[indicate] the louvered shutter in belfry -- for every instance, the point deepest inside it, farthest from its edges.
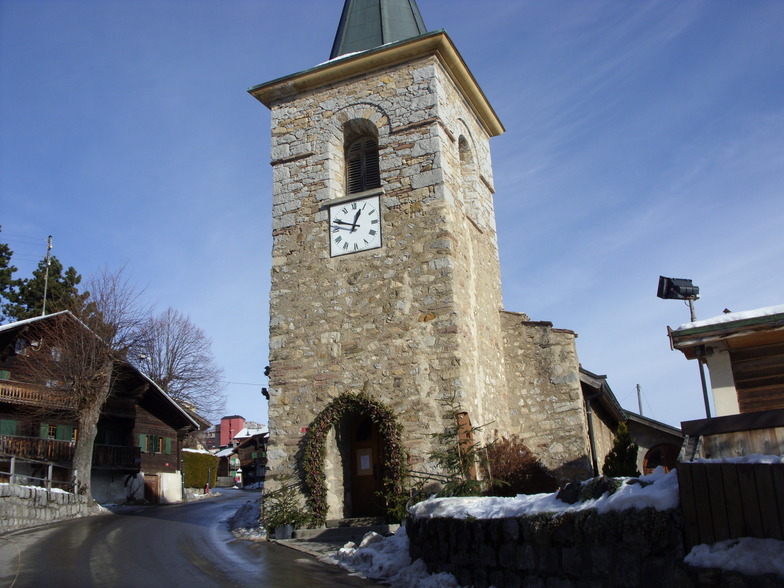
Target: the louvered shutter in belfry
(362, 166)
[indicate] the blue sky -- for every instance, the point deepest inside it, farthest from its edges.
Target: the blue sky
(644, 138)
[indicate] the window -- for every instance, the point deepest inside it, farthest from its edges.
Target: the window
(155, 444)
(58, 432)
(362, 169)
(7, 427)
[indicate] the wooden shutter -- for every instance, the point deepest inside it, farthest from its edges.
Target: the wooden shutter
(7, 427)
(143, 443)
(167, 446)
(362, 167)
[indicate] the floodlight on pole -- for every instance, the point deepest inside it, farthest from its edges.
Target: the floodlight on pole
(683, 289)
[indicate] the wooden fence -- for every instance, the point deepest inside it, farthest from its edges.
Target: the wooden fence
(729, 500)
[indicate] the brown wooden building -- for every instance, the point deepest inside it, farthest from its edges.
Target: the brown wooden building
(137, 452)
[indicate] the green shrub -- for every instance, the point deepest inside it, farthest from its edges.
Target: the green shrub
(283, 507)
(197, 466)
(622, 460)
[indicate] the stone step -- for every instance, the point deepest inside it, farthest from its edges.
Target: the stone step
(356, 522)
(343, 534)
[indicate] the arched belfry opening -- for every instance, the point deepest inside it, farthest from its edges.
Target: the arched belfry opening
(363, 171)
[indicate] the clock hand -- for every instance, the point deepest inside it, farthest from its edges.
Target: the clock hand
(356, 217)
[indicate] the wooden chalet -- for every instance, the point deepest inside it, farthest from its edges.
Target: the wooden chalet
(137, 451)
(744, 352)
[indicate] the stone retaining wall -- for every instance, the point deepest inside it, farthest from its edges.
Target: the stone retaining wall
(25, 506)
(628, 548)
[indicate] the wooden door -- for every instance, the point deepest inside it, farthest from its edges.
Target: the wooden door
(151, 488)
(366, 465)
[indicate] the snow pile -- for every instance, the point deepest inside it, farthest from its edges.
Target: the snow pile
(387, 559)
(730, 317)
(245, 523)
(753, 458)
(254, 486)
(657, 490)
(747, 555)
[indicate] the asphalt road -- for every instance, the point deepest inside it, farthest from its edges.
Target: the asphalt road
(177, 545)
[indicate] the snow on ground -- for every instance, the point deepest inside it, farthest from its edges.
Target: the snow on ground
(754, 458)
(658, 490)
(245, 523)
(387, 558)
(747, 555)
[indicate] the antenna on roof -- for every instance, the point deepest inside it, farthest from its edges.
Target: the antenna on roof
(48, 260)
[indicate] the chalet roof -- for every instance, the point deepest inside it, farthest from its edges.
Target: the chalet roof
(251, 431)
(769, 315)
(19, 325)
(23, 323)
(366, 24)
(733, 329)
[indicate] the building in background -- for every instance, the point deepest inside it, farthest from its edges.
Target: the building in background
(141, 430)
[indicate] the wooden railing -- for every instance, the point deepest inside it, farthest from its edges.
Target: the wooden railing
(30, 395)
(48, 450)
(117, 456)
(723, 501)
(62, 452)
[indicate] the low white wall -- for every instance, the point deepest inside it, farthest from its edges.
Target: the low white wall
(170, 488)
(115, 488)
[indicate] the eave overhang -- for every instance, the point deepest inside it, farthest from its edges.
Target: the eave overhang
(436, 43)
(734, 334)
(599, 391)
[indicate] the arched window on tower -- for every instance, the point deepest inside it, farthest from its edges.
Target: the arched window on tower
(362, 169)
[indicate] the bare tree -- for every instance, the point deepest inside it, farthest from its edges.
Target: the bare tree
(77, 355)
(177, 355)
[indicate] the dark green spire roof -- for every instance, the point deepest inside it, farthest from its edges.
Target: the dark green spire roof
(366, 24)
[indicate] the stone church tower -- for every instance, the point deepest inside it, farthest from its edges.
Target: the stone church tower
(386, 284)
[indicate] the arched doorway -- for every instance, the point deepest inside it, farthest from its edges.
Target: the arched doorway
(662, 455)
(337, 440)
(366, 468)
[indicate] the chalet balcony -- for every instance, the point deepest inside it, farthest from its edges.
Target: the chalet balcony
(62, 452)
(20, 393)
(31, 395)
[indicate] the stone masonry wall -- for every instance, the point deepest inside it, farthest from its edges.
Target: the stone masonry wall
(625, 549)
(542, 373)
(398, 323)
(26, 506)
(635, 548)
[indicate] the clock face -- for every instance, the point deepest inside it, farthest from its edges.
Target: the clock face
(355, 226)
